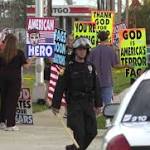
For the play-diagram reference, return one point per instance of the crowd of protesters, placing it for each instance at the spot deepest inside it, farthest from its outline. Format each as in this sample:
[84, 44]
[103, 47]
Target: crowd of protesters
[86, 81]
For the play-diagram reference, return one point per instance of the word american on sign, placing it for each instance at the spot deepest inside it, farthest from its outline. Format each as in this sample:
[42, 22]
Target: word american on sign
[41, 24]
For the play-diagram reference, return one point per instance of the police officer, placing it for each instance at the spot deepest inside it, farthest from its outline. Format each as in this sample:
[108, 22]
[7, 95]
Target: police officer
[80, 84]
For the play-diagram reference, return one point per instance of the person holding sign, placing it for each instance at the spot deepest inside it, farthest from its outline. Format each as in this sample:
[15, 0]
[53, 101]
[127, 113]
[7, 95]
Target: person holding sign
[11, 61]
[80, 84]
[104, 58]
[69, 47]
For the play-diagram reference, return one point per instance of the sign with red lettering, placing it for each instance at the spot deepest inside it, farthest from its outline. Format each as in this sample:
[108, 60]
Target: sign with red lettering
[40, 37]
[63, 10]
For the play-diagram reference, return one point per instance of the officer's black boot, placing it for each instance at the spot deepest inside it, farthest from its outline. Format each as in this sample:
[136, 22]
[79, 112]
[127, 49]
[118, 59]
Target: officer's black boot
[71, 147]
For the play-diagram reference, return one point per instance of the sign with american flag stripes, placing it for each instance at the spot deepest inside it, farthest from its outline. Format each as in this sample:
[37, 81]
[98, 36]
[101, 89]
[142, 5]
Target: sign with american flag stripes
[55, 71]
[40, 40]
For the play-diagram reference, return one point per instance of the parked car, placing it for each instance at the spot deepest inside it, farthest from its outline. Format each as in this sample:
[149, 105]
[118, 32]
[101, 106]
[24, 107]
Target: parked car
[130, 127]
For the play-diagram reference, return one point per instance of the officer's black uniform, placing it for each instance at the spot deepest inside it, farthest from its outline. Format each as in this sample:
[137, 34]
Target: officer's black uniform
[80, 84]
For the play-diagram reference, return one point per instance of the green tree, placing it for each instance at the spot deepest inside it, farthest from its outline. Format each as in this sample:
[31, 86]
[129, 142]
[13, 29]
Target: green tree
[140, 18]
[20, 13]
[13, 13]
[30, 2]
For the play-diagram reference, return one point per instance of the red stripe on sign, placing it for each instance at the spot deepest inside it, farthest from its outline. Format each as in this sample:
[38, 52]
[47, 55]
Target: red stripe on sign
[55, 69]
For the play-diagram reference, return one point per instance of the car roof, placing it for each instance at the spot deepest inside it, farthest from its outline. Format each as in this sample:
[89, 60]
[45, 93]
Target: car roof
[128, 96]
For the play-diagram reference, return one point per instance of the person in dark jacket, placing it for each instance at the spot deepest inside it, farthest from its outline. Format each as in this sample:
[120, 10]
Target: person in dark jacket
[11, 61]
[2, 47]
[80, 84]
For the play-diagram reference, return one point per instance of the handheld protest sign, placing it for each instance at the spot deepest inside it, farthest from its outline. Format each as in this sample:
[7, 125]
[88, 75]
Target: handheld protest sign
[24, 107]
[85, 29]
[40, 36]
[104, 22]
[133, 50]
[60, 47]
[117, 28]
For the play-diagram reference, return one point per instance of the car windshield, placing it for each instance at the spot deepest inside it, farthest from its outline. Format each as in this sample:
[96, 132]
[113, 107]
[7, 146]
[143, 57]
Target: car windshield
[138, 109]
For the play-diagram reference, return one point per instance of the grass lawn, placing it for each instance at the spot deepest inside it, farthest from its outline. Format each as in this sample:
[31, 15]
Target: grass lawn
[120, 83]
[101, 122]
[28, 82]
[38, 107]
[119, 79]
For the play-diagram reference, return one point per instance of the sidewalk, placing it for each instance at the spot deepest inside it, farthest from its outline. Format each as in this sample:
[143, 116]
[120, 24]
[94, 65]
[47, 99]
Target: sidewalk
[47, 133]
[118, 98]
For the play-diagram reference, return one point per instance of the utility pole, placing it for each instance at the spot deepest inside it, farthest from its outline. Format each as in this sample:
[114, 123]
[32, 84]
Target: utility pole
[98, 4]
[49, 8]
[102, 5]
[127, 13]
[112, 5]
[119, 10]
[39, 87]
[67, 21]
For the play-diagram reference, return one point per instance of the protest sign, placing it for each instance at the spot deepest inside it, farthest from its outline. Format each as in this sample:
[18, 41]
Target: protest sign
[104, 22]
[117, 28]
[133, 50]
[85, 29]
[40, 37]
[60, 47]
[24, 107]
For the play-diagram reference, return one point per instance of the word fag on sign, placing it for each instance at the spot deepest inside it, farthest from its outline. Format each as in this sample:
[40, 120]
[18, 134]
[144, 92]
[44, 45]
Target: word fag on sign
[85, 29]
[104, 22]
[133, 50]
[60, 47]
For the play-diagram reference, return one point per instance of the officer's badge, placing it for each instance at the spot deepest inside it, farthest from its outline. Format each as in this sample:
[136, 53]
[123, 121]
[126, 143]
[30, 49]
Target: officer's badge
[61, 72]
[90, 68]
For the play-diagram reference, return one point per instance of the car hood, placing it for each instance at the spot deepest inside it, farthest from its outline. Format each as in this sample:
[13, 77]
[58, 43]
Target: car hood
[137, 134]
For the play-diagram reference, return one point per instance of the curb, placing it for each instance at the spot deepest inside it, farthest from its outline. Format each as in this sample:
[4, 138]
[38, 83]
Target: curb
[101, 132]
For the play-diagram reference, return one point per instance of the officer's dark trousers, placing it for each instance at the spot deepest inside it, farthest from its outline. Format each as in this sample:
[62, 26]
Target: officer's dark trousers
[10, 90]
[82, 120]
